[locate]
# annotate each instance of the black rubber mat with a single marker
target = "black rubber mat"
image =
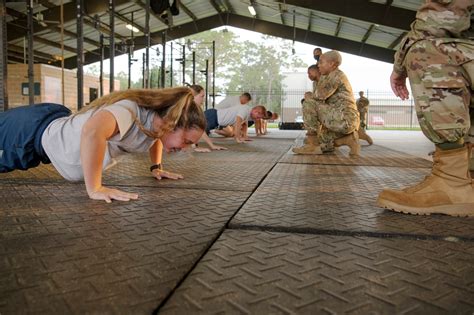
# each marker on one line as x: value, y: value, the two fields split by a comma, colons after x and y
x: 341, y: 199
x: 276, y: 273
x: 240, y: 168
x: 61, y: 253
x: 373, y: 155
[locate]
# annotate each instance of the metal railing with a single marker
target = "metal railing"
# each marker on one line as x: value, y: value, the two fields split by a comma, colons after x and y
x: 385, y: 110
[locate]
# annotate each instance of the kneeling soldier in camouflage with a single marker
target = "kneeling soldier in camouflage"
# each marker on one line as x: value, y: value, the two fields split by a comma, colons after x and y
x: 334, y: 110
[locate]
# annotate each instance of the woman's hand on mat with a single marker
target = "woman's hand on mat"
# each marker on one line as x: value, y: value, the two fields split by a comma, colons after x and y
x: 202, y: 150
x: 218, y: 148
x: 109, y: 194
x: 239, y: 140
x: 160, y: 174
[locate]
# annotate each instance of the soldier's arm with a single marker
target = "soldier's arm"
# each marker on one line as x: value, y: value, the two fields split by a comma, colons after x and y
x: 328, y: 87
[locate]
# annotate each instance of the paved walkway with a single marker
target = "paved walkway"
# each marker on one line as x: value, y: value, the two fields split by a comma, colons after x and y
x: 252, y: 230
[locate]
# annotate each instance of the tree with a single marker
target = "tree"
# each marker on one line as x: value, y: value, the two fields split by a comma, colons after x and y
x: 245, y: 65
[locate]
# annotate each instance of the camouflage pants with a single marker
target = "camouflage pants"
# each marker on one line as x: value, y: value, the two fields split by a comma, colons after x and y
x: 440, y: 75
x: 310, y: 116
x: 363, y: 119
x: 335, y: 124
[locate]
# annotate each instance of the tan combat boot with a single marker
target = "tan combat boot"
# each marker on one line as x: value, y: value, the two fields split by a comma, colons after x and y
x: 470, y: 147
x: 312, y: 147
x: 352, y: 141
x: 308, y: 134
x: 364, y: 136
x: 447, y: 190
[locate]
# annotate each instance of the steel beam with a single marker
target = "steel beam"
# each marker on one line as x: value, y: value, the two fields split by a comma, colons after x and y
x: 144, y: 7
x: 128, y: 21
x: 268, y: 28
x: 314, y: 38
x: 397, y: 40
x: 280, y: 8
x: 338, y: 27
x: 361, y: 10
x: 367, y: 34
x: 21, y: 18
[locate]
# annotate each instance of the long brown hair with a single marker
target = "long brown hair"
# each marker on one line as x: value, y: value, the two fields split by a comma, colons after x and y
x: 174, y: 105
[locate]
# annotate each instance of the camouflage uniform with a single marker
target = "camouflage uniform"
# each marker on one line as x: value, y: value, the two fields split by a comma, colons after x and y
x: 437, y: 55
x: 336, y: 109
x: 310, y: 116
x: 363, y: 107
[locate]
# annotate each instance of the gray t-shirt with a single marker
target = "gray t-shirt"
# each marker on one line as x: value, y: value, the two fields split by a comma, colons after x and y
x: 62, y: 138
x: 229, y: 101
x: 228, y: 116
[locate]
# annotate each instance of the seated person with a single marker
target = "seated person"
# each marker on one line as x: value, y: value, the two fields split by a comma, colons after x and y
x: 335, y: 108
x: 235, y: 116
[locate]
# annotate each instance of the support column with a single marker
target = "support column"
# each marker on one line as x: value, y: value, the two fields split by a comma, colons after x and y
x: 148, y: 44
x: 213, y: 73
x: 101, y: 65
x: 163, y: 61
x: 207, y: 83
x: 31, y: 71
x: 112, y: 44
x: 184, y: 64
x: 3, y: 58
x: 171, y: 65
x: 194, y: 68
x: 80, y: 53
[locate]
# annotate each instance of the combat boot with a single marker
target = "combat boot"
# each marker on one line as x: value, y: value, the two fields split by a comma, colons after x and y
x: 470, y: 147
x: 364, y: 136
x: 312, y: 147
x: 447, y: 190
x: 308, y: 134
x: 352, y: 141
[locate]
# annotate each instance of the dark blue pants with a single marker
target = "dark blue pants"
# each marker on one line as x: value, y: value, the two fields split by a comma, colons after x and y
x: 211, y: 119
x: 21, y: 129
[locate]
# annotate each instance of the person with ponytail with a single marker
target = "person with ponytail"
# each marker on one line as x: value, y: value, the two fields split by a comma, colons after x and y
x: 199, y: 97
x: 82, y: 145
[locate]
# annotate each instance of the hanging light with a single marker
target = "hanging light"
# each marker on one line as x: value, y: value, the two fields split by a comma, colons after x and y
x: 132, y: 28
x: 252, y: 10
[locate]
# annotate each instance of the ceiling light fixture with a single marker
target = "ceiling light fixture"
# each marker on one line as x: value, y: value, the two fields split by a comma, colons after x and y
x: 252, y: 10
x: 132, y: 28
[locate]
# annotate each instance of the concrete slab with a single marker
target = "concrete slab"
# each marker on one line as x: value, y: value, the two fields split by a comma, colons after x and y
x: 248, y: 272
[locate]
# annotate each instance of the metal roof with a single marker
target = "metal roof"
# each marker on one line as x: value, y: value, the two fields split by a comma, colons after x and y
x: 371, y: 29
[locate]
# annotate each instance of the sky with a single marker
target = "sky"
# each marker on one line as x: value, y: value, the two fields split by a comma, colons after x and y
x: 363, y: 73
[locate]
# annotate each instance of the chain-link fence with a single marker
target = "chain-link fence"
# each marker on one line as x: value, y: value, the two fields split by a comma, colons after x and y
x: 385, y: 110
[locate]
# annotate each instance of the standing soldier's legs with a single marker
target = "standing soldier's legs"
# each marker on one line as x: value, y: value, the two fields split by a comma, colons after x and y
x: 340, y: 128
x: 469, y: 68
x: 442, y: 92
x: 362, y: 134
x: 312, y: 125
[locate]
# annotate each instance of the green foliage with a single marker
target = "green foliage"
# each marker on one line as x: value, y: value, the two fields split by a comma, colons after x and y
x: 241, y: 65
x: 244, y: 66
